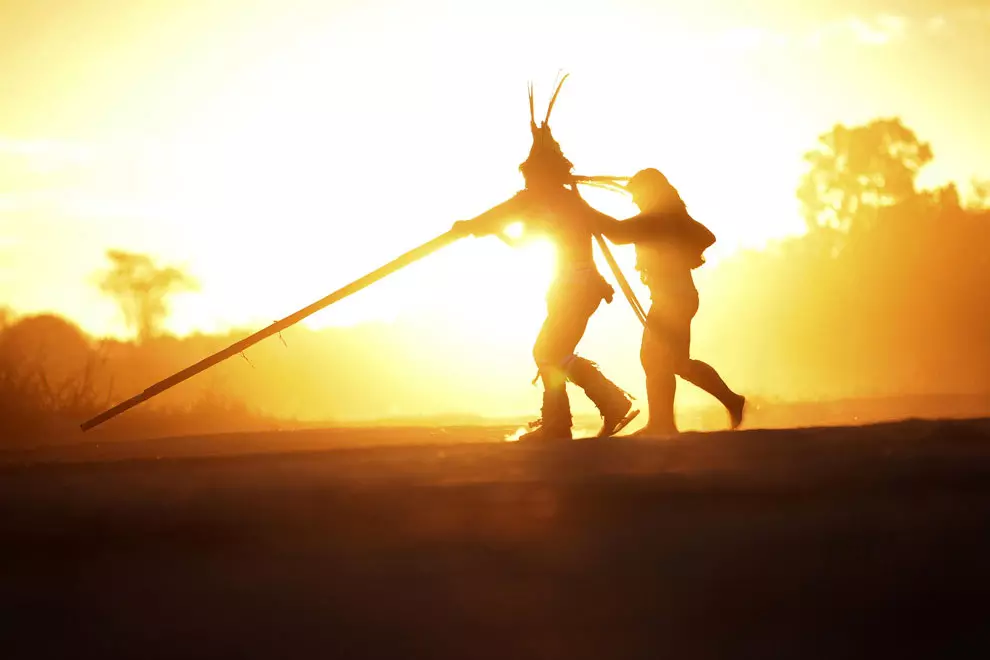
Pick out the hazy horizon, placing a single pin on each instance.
(277, 152)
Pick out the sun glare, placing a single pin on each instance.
(308, 167)
(515, 230)
(296, 176)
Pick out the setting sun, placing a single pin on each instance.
(278, 153)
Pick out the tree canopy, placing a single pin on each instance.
(141, 288)
(856, 171)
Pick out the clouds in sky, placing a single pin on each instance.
(863, 28)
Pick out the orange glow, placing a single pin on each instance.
(281, 152)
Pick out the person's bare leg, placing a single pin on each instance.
(660, 387)
(703, 375)
(555, 415)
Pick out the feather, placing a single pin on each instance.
(553, 99)
(532, 112)
(612, 183)
(607, 179)
(612, 187)
(556, 85)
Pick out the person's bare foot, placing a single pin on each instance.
(737, 411)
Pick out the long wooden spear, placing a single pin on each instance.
(235, 349)
(621, 279)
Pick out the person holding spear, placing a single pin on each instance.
(550, 204)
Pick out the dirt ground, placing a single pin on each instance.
(840, 542)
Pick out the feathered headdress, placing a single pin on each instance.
(546, 163)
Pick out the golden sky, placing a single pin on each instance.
(280, 149)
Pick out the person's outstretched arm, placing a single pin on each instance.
(639, 228)
(495, 219)
(594, 220)
(701, 235)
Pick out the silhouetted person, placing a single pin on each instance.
(551, 205)
(669, 245)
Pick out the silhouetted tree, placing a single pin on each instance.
(142, 288)
(979, 196)
(945, 200)
(855, 171)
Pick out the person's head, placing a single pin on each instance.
(546, 166)
(651, 191)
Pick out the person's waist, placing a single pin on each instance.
(577, 271)
(666, 268)
(671, 265)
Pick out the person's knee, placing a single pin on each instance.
(553, 376)
(657, 357)
(683, 365)
(547, 356)
(552, 349)
(553, 365)
(541, 353)
(651, 352)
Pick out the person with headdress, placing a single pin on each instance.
(669, 246)
(551, 205)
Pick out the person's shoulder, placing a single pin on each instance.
(698, 228)
(695, 221)
(571, 202)
(651, 217)
(683, 215)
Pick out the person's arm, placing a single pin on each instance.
(495, 219)
(596, 221)
(642, 227)
(697, 234)
(638, 229)
(511, 241)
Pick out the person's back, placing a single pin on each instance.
(672, 247)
